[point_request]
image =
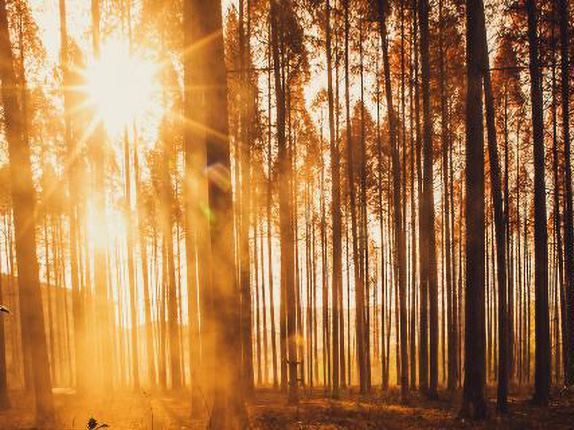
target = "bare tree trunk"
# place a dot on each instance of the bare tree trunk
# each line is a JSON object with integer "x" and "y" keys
{"x": 269, "y": 230}
{"x": 359, "y": 286}
{"x": 221, "y": 337}
{"x": 244, "y": 217}
{"x": 399, "y": 253}
{"x": 380, "y": 169}
{"x": 499, "y": 224}
{"x": 24, "y": 209}
{"x": 569, "y": 231}
{"x": 285, "y": 210}
{"x": 337, "y": 278}
{"x": 131, "y": 265}
{"x": 542, "y": 378}
{"x": 428, "y": 234}
{"x": 4, "y": 398}
{"x": 474, "y": 345}
{"x": 77, "y": 296}
{"x": 445, "y": 142}
{"x": 100, "y": 266}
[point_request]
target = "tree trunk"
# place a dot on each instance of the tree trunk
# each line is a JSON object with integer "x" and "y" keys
{"x": 269, "y": 230}
{"x": 399, "y": 254}
{"x": 542, "y": 357}
{"x": 428, "y": 234}
{"x": 444, "y": 98}
{"x": 499, "y": 224}
{"x": 222, "y": 317}
{"x": 4, "y": 399}
{"x": 474, "y": 344}
{"x": 337, "y": 278}
{"x": 569, "y": 231}
{"x": 24, "y": 209}
{"x": 244, "y": 216}
{"x": 131, "y": 265}
{"x": 285, "y": 210}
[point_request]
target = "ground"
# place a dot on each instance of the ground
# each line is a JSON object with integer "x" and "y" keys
{"x": 268, "y": 411}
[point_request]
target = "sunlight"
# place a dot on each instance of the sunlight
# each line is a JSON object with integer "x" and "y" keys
{"x": 120, "y": 86}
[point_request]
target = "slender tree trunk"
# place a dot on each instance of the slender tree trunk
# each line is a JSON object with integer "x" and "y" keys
{"x": 444, "y": 98}
{"x": 77, "y": 296}
{"x": 100, "y": 267}
{"x": 359, "y": 287}
{"x": 4, "y": 398}
{"x": 131, "y": 265}
{"x": 542, "y": 374}
{"x": 337, "y": 278}
{"x": 428, "y": 234}
{"x": 499, "y": 224}
{"x": 285, "y": 210}
{"x": 568, "y": 213}
{"x": 423, "y": 249}
{"x": 269, "y": 230}
{"x": 244, "y": 210}
{"x": 399, "y": 257}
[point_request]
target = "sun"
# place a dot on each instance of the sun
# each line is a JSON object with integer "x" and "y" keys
{"x": 120, "y": 86}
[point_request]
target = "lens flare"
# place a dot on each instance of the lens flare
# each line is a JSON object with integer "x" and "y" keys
{"x": 120, "y": 86}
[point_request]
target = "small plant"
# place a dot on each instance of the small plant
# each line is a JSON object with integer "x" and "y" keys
{"x": 94, "y": 425}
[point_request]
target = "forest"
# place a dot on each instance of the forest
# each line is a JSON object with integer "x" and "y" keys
{"x": 286, "y": 214}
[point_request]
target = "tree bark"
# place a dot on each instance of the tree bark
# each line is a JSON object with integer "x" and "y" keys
{"x": 569, "y": 231}
{"x": 24, "y": 209}
{"x": 474, "y": 345}
{"x": 399, "y": 254}
{"x": 222, "y": 317}
{"x": 499, "y": 224}
{"x": 337, "y": 278}
{"x": 542, "y": 351}
{"x": 285, "y": 210}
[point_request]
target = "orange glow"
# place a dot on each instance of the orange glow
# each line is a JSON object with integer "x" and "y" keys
{"x": 121, "y": 86}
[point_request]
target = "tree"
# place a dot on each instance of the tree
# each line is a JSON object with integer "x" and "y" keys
{"x": 569, "y": 236}
{"x": 222, "y": 316}
{"x": 24, "y": 207}
{"x": 335, "y": 207}
{"x": 77, "y": 299}
{"x": 474, "y": 345}
{"x": 97, "y": 143}
{"x": 244, "y": 221}
{"x": 398, "y": 216}
{"x": 4, "y": 399}
{"x": 499, "y": 224}
{"x": 428, "y": 233}
{"x": 542, "y": 323}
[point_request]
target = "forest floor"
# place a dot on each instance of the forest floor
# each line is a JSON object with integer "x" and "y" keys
{"x": 269, "y": 411}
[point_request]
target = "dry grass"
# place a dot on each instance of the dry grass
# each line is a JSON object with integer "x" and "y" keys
{"x": 269, "y": 411}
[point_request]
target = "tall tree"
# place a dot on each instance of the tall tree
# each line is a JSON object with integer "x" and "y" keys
{"x": 337, "y": 280}
{"x": 474, "y": 402}
{"x": 399, "y": 258}
{"x": 499, "y": 224}
{"x": 222, "y": 317}
{"x": 542, "y": 324}
{"x": 24, "y": 209}
{"x": 97, "y": 142}
{"x": 72, "y": 177}
{"x": 569, "y": 233}
{"x": 428, "y": 233}
{"x": 285, "y": 210}
{"x": 4, "y": 397}
{"x": 244, "y": 200}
